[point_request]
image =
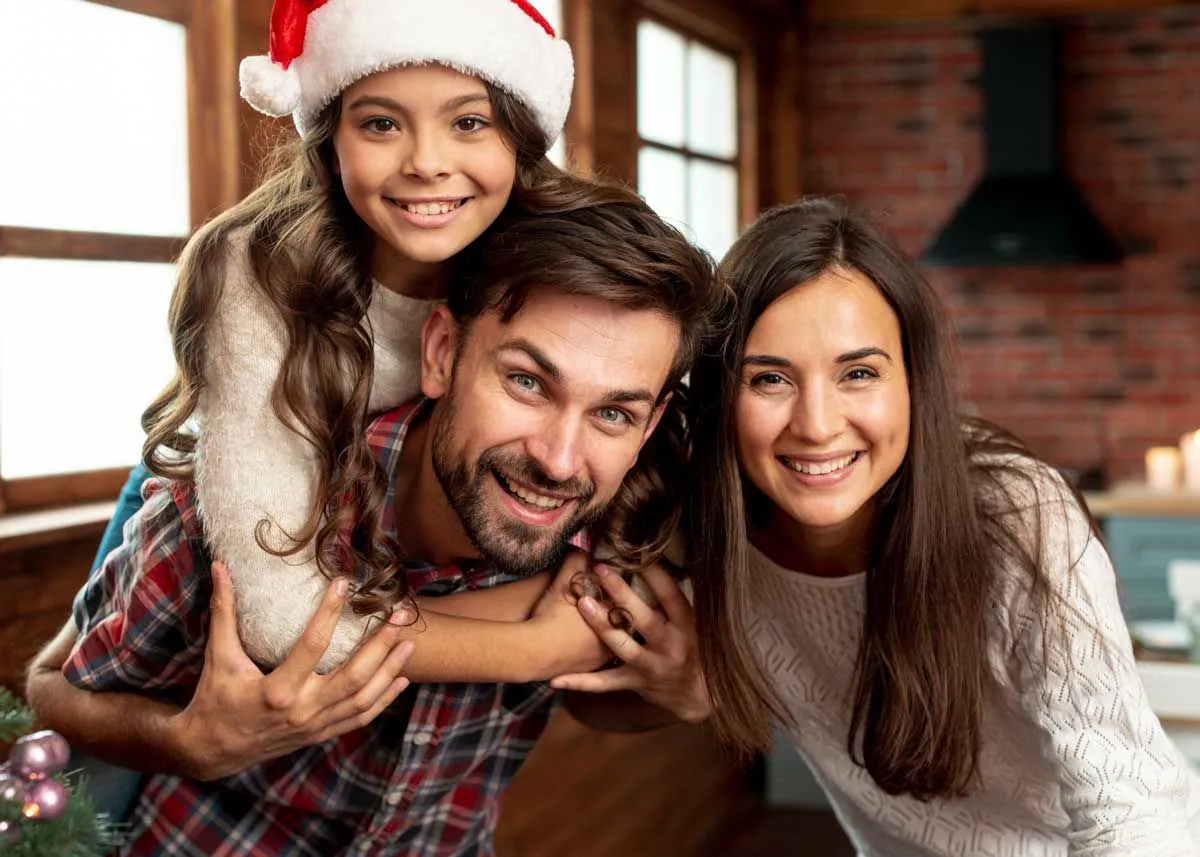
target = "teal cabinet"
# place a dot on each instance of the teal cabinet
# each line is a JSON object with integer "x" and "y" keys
{"x": 1141, "y": 549}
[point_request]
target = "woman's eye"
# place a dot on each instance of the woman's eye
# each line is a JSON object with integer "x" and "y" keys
{"x": 470, "y": 124}
{"x": 767, "y": 379}
{"x": 861, "y": 373}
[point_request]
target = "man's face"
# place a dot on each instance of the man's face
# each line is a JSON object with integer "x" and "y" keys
{"x": 541, "y": 418}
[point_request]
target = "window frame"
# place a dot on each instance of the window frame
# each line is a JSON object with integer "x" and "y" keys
{"x": 713, "y": 34}
{"x": 214, "y": 174}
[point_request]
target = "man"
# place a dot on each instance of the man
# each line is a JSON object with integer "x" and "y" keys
{"x": 546, "y": 375}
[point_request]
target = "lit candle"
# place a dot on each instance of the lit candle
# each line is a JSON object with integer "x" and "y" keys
{"x": 1189, "y": 448}
{"x": 1162, "y": 468}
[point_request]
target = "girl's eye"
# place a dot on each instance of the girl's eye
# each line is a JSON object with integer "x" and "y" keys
{"x": 470, "y": 124}
{"x": 380, "y": 125}
{"x": 614, "y": 416}
{"x": 861, "y": 373}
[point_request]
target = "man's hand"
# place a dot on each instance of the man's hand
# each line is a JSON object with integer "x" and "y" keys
{"x": 665, "y": 669}
{"x": 238, "y": 717}
{"x": 567, "y": 637}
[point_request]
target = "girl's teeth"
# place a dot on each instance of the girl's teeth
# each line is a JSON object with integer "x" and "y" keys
{"x": 822, "y": 469}
{"x": 534, "y": 499}
{"x": 429, "y": 208}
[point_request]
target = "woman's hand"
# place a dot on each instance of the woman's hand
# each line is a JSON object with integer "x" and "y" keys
{"x": 239, "y": 717}
{"x": 664, "y": 669}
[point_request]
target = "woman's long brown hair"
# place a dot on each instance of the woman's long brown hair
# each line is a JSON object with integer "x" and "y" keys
{"x": 954, "y": 513}
{"x": 310, "y": 256}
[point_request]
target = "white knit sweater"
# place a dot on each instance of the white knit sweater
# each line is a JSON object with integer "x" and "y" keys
{"x": 1074, "y": 763}
{"x": 250, "y": 466}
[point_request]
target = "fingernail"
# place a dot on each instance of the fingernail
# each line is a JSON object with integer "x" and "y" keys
{"x": 603, "y": 570}
{"x": 340, "y": 587}
{"x": 400, "y": 616}
{"x": 588, "y": 604}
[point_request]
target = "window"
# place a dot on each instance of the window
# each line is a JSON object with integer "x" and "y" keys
{"x": 688, "y": 130}
{"x": 95, "y": 203}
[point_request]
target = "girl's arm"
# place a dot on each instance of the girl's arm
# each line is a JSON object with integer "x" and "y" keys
{"x": 1124, "y": 785}
{"x": 525, "y": 631}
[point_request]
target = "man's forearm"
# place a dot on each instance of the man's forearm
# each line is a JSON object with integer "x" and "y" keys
{"x": 122, "y": 728}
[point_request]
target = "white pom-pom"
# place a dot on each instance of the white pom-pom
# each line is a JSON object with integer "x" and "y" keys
{"x": 268, "y": 87}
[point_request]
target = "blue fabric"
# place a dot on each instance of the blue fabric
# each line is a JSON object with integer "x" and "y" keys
{"x": 113, "y": 789}
{"x": 128, "y": 503}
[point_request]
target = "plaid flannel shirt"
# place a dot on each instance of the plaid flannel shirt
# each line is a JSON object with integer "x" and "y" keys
{"x": 424, "y": 778}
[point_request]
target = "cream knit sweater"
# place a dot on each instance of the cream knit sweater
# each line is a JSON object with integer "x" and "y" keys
{"x": 1073, "y": 762}
{"x": 250, "y": 466}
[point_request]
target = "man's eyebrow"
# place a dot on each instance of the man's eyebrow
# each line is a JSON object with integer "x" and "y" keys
{"x": 524, "y": 346}
{"x": 629, "y": 397}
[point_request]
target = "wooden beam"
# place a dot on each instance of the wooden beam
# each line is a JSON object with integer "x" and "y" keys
{"x": 835, "y": 12}
{"x": 45, "y": 492}
{"x": 581, "y": 121}
{"x": 213, "y": 138}
{"x": 87, "y": 246}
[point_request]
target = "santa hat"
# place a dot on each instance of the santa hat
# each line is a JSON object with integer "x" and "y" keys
{"x": 320, "y": 47}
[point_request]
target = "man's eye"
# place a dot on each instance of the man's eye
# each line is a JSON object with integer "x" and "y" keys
{"x": 526, "y": 382}
{"x": 616, "y": 416}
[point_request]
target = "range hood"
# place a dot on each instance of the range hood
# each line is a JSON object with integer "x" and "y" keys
{"x": 1024, "y": 210}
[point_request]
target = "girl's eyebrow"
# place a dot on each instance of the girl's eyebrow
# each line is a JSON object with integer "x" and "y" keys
{"x": 848, "y": 357}
{"x": 396, "y": 107}
{"x": 860, "y": 353}
{"x": 767, "y": 360}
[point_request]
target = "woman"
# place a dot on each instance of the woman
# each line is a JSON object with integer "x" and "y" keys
{"x": 917, "y": 599}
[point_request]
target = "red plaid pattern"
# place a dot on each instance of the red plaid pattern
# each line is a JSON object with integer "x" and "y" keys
{"x": 424, "y": 779}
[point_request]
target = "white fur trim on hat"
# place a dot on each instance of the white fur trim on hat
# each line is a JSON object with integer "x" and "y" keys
{"x": 268, "y": 86}
{"x": 495, "y": 40}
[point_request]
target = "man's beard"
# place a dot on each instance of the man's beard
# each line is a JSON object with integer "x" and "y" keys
{"x": 513, "y": 546}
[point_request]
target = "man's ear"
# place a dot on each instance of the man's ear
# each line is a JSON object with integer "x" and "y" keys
{"x": 439, "y": 347}
{"x": 654, "y": 419}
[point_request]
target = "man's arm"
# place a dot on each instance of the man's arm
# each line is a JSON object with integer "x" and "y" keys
{"x": 123, "y": 728}
{"x": 237, "y": 717}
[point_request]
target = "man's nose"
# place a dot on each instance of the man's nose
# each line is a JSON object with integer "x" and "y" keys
{"x": 557, "y": 447}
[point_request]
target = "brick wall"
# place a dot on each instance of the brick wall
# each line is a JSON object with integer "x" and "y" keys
{"x": 1090, "y": 365}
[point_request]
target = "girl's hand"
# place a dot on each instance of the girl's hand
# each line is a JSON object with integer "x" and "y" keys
{"x": 665, "y": 668}
{"x": 565, "y": 636}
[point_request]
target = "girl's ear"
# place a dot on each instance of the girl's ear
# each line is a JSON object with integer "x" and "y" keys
{"x": 439, "y": 345}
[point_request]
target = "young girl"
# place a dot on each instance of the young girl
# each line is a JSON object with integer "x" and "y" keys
{"x": 922, "y": 603}
{"x": 298, "y": 311}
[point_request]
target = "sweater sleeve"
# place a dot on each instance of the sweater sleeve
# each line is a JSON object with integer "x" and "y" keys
{"x": 1124, "y": 785}
{"x": 251, "y": 467}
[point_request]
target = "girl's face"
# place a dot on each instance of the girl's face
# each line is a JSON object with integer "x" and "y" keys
{"x": 823, "y": 403}
{"x": 423, "y": 164}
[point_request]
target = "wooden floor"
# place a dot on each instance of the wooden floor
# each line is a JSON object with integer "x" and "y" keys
{"x": 785, "y": 833}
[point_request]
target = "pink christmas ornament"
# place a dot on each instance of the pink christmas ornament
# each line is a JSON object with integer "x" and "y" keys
{"x": 46, "y": 800}
{"x": 39, "y": 755}
{"x": 12, "y": 795}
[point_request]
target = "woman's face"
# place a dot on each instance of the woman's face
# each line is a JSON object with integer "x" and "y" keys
{"x": 823, "y": 402}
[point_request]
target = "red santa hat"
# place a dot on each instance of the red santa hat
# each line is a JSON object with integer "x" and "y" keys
{"x": 320, "y": 47}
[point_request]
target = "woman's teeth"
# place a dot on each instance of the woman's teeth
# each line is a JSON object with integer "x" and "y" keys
{"x": 428, "y": 208}
{"x": 539, "y": 500}
{"x": 822, "y": 468}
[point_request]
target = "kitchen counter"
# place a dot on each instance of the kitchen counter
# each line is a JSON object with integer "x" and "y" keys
{"x": 1139, "y": 501}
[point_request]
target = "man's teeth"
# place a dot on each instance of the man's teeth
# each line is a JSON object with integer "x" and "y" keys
{"x": 431, "y": 207}
{"x": 821, "y": 468}
{"x": 539, "y": 500}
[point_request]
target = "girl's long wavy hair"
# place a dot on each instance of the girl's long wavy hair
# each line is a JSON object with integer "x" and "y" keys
{"x": 310, "y": 255}
{"x": 945, "y": 525}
